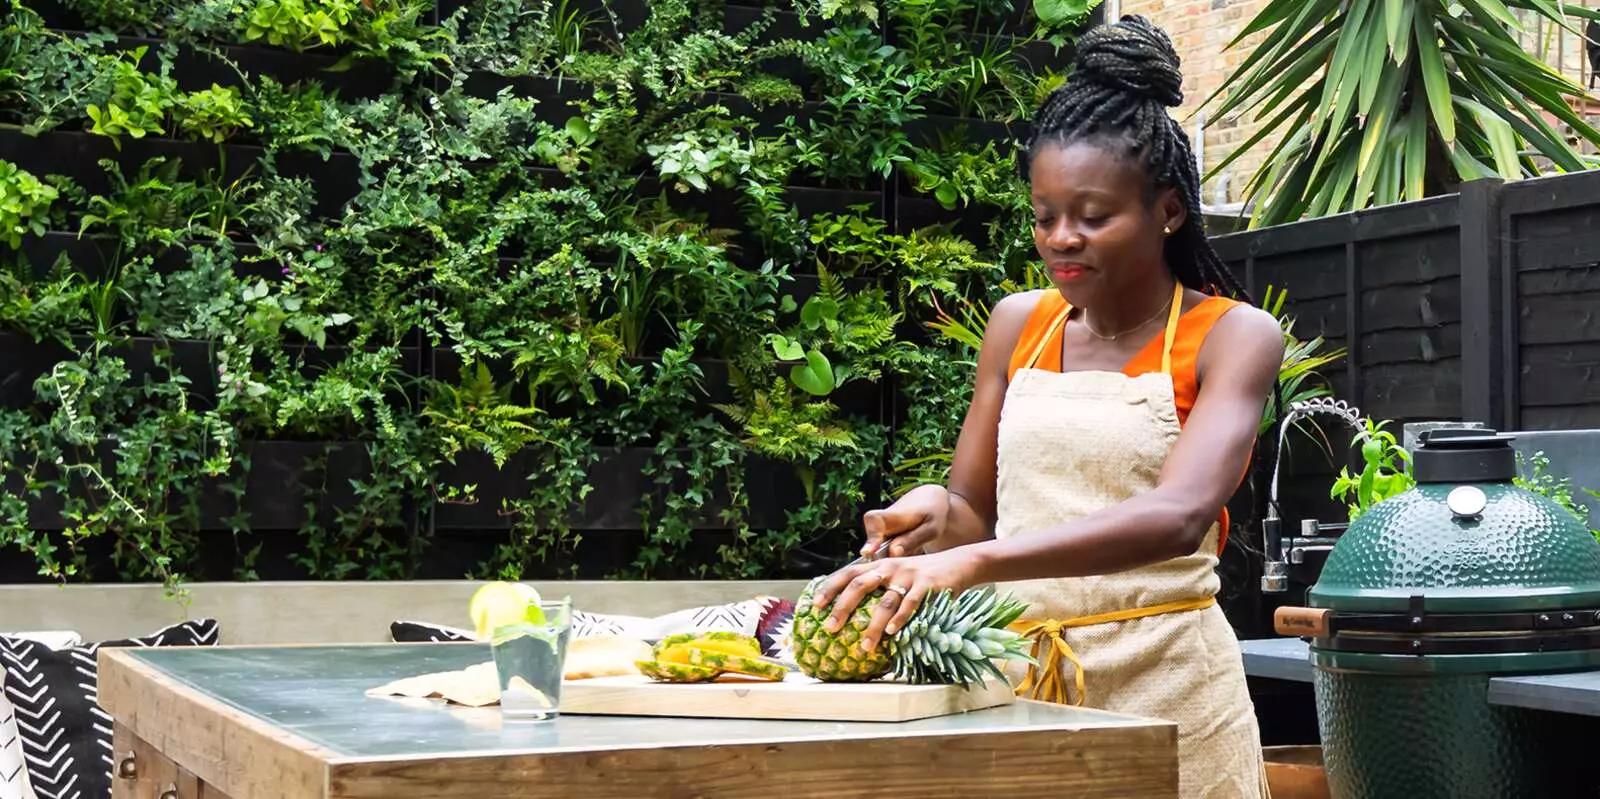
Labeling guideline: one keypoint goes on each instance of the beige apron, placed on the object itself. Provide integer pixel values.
(1150, 641)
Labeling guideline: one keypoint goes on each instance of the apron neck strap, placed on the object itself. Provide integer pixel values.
(1060, 320)
(1172, 327)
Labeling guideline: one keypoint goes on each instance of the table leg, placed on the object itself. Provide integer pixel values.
(140, 771)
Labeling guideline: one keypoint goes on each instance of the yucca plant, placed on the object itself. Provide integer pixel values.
(1385, 101)
(1301, 360)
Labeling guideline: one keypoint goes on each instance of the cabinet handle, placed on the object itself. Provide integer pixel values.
(170, 793)
(128, 767)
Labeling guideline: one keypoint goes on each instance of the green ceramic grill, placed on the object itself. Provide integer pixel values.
(1425, 598)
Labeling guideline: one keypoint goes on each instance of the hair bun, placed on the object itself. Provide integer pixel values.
(1133, 56)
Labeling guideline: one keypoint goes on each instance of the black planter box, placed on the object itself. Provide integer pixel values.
(915, 212)
(195, 70)
(928, 131)
(857, 399)
(77, 155)
(769, 118)
(557, 96)
(721, 208)
(785, 26)
(630, 14)
(277, 489)
(619, 483)
(94, 255)
(23, 361)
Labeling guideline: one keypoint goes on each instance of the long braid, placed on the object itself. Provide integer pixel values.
(1125, 77)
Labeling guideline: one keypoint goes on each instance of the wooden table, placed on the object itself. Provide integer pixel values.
(295, 722)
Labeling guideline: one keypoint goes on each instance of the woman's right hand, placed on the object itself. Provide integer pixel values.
(911, 523)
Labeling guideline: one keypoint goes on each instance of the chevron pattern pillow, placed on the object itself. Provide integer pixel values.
(66, 737)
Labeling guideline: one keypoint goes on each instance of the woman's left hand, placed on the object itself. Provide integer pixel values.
(910, 581)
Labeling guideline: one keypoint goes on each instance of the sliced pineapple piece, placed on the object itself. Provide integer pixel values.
(673, 648)
(728, 643)
(667, 671)
(738, 664)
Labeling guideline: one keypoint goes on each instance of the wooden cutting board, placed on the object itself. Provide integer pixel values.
(796, 698)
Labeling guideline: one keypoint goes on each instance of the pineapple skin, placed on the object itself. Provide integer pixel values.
(952, 639)
(837, 657)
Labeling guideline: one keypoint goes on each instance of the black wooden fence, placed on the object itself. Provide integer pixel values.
(1481, 306)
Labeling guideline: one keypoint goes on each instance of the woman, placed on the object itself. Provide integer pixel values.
(1112, 419)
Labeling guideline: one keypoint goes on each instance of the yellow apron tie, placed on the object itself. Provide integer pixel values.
(1043, 680)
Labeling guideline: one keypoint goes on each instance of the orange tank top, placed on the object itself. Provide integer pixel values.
(1193, 327)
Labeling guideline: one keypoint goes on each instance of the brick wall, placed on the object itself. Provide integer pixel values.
(1200, 29)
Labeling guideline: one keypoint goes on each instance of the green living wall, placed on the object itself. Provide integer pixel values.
(374, 289)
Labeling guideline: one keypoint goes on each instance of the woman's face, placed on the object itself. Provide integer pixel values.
(1095, 225)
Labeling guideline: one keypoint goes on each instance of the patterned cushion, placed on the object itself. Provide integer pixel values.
(773, 630)
(14, 782)
(416, 632)
(66, 737)
(743, 617)
(740, 617)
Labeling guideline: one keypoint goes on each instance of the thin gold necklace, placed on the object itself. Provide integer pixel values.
(1115, 336)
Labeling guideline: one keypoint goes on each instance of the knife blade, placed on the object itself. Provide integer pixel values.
(883, 549)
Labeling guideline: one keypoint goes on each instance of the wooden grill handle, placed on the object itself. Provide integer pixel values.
(1312, 622)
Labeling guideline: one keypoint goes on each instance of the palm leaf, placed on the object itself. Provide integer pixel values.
(1365, 96)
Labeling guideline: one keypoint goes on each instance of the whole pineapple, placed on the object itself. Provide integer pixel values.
(951, 639)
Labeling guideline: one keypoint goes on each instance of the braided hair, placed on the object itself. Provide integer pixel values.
(1124, 78)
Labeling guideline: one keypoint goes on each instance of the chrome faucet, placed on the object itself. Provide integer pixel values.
(1315, 536)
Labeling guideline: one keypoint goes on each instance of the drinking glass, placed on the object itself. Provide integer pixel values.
(530, 658)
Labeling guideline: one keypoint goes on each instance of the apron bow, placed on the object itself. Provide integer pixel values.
(1050, 648)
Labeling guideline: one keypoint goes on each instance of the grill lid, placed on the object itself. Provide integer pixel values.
(1466, 563)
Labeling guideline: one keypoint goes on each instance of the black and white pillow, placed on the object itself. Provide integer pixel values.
(740, 617)
(66, 737)
(418, 632)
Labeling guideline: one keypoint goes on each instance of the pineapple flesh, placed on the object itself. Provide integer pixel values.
(952, 639)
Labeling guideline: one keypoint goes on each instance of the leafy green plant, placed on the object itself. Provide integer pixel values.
(214, 114)
(1379, 101)
(779, 424)
(297, 24)
(25, 203)
(1534, 476)
(1301, 360)
(478, 414)
(135, 104)
(1386, 471)
(538, 285)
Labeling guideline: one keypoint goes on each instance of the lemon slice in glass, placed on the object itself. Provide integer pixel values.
(502, 604)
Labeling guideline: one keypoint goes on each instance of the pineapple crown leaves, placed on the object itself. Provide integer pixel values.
(956, 638)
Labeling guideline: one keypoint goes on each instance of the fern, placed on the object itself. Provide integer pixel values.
(479, 414)
(777, 425)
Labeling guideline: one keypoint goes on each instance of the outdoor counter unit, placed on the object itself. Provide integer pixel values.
(1577, 692)
(294, 722)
